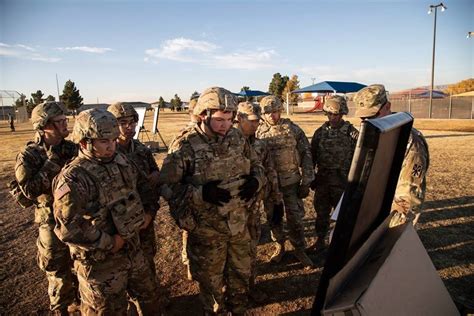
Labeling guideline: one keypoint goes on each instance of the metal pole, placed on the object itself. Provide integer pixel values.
(3, 109)
(288, 103)
(57, 87)
(409, 101)
(450, 106)
(433, 62)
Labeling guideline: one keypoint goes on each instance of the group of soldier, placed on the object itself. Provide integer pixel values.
(96, 196)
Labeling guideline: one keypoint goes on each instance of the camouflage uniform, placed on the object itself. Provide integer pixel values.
(291, 151)
(332, 148)
(411, 187)
(95, 200)
(143, 158)
(219, 241)
(36, 166)
(270, 192)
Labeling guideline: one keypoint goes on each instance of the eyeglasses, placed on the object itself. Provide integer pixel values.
(61, 121)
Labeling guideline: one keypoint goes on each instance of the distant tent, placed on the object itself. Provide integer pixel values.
(332, 86)
(251, 93)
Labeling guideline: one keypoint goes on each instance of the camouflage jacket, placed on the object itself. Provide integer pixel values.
(199, 159)
(291, 151)
(142, 157)
(175, 143)
(35, 168)
(95, 200)
(411, 187)
(332, 150)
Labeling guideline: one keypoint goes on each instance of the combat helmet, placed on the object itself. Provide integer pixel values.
(45, 111)
(249, 110)
(270, 104)
(216, 98)
(369, 100)
(123, 109)
(94, 124)
(336, 105)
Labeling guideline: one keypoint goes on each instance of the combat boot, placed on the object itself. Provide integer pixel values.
(318, 246)
(278, 253)
(303, 258)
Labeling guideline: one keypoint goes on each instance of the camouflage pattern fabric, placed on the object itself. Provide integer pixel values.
(219, 244)
(95, 200)
(291, 151)
(143, 158)
(216, 98)
(369, 100)
(36, 166)
(336, 104)
(411, 187)
(332, 149)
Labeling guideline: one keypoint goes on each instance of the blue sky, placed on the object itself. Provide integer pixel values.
(140, 50)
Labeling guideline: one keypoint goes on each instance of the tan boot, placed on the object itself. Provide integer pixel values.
(278, 253)
(303, 258)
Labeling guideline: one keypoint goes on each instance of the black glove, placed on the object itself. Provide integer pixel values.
(54, 154)
(277, 216)
(211, 193)
(303, 191)
(249, 188)
(314, 184)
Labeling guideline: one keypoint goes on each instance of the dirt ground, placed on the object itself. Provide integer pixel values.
(446, 228)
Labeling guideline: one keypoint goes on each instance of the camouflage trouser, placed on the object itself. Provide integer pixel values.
(104, 285)
(325, 199)
(221, 265)
(294, 211)
(255, 230)
(148, 242)
(54, 259)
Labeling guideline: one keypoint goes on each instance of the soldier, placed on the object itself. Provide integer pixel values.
(291, 151)
(332, 148)
(100, 206)
(174, 145)
(214, 177)
(36, 166)
(142, 156)
(372, 102)
(247, 120)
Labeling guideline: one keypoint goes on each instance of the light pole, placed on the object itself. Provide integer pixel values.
(313, 80)
(435, 8)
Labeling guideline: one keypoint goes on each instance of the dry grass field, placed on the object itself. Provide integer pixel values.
(446, 229)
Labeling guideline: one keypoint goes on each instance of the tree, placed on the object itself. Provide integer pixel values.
(277, 85)
(291, 85)
(71, 96)
(460, 87)
(36, 98)
(50, 98)
(177, 103)
(19, 102)
(161, 103)
(195, 95)
(244, 88)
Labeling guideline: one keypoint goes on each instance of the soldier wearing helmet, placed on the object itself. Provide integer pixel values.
(290, 150)
(100, 205)
(142, 156)
(214, 176)
(36, 166)
(372, 102)
(247, 121)
(332, 148)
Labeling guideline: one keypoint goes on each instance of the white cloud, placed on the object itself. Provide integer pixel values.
(208, 54)
(86, 49)
(25, 52)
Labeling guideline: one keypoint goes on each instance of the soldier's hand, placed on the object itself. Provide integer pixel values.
(211, 193)
(249, 188)
(313, 185)
(118, 243)
(303, 191)
(148, 220)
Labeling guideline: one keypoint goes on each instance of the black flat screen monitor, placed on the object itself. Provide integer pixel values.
(368, 196)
